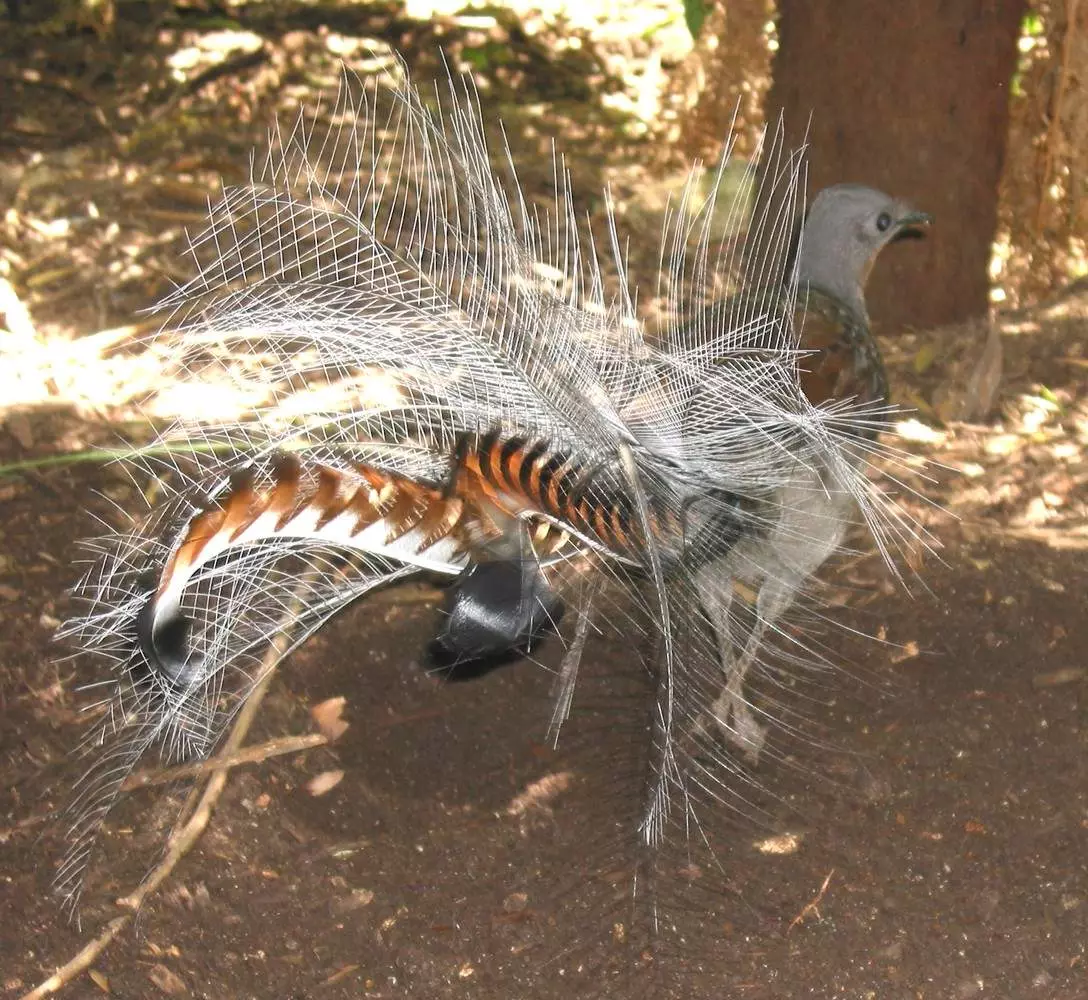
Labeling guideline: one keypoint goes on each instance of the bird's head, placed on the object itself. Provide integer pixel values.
(846, 227)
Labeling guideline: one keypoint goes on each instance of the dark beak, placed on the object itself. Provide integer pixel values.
(911, 225)
(915, 218)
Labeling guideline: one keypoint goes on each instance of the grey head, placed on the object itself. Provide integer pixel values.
(846, 227)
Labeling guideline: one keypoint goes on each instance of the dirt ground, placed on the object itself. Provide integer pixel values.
(925, 836)
(954, 837)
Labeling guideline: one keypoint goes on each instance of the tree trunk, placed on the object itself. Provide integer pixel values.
(911, 98)
(725, 79)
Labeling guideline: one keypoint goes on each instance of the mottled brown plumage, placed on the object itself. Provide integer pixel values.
(846, 362)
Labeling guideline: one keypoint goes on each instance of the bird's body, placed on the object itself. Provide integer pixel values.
(839, 361)
(526, 436)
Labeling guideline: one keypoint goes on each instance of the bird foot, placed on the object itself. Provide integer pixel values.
(736, 722)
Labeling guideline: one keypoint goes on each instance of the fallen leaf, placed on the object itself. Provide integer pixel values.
(324, 782)
(781, 844)
(515, 902)
(924, 357)
(339, 974)
(984, 379)
(167, 981)
(328, 717)
(1056, 678)
(909, 651)
(539, 794)
(354, 900)
(18, 426)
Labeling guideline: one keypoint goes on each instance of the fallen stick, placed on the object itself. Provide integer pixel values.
(188, 833)
(813, 905)
(250, 755)
(81, 961)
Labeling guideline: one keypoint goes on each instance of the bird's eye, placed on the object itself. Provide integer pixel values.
(883, 221)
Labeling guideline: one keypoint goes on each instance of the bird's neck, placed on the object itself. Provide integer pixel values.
(843, 299)
(838, 274)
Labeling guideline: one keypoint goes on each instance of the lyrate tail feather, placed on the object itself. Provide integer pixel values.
(500, 396)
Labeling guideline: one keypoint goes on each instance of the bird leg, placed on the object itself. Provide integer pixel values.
(731, 712)
(808, 527)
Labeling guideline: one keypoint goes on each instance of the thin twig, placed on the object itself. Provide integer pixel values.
(80, 962)
(188, 833)
(7, 832)
(229, 67)
(250, 755)
(813, 905)
(104, 456)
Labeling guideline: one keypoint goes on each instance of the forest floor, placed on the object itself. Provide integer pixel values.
(930, 842)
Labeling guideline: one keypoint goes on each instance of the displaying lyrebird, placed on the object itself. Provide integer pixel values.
(846, 228)
(503, 411)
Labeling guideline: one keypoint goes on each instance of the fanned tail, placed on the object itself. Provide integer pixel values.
(480, 394)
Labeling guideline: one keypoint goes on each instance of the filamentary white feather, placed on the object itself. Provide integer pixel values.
(390, 245)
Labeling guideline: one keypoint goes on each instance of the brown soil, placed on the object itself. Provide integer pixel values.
(935, 808)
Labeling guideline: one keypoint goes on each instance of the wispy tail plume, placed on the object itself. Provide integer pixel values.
(511, 402)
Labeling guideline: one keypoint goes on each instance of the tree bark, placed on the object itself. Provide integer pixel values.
(911, 98)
